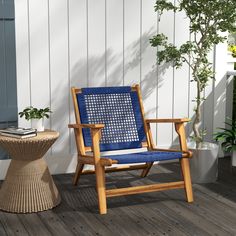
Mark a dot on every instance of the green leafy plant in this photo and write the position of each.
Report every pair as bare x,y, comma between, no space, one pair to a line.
35,113
207,20
227,136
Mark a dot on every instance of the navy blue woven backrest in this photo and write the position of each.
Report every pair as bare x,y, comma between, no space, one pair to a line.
118,109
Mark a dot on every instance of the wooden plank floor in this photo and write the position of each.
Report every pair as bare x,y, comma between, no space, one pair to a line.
159,213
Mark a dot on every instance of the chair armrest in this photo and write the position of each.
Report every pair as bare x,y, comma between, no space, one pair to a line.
95,137
179,127
90,126
176,120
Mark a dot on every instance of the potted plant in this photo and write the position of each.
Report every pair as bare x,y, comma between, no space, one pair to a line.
228,138
36,116
208,19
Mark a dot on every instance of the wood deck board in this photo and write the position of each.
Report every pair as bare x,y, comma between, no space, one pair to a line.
12,224
54,224
33,224
156,213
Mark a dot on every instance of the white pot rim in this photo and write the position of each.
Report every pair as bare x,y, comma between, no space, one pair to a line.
204,146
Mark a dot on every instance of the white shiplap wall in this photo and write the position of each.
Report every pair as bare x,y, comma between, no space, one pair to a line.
64,43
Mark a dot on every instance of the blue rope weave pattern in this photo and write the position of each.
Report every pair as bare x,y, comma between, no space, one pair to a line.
145,157
119,110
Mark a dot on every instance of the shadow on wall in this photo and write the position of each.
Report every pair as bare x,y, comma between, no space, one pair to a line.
214,115
151,81
80,74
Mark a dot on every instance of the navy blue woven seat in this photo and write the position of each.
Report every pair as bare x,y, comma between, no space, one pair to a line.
141,157
112,118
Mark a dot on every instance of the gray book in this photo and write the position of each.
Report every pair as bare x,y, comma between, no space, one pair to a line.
18,131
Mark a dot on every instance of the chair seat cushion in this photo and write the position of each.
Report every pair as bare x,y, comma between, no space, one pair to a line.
149,156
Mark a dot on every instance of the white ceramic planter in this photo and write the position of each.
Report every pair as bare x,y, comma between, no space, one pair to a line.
233,158
204,163
37,124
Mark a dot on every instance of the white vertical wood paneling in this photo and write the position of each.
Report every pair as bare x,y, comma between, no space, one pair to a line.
77,53
148,62
22,57
208,106
132,20
220,85
181,76
59,68
96,42
78,42
39,55
114,42
165,84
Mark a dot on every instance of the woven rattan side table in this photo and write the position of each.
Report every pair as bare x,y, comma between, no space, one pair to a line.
28,186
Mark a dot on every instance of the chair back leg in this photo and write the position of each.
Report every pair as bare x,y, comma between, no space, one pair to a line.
147,169
184,162
78,171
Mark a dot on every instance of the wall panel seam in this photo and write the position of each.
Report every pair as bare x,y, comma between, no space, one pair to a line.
4,56
105,43
49,68
69,75
123,52
140,44
30,86
87,49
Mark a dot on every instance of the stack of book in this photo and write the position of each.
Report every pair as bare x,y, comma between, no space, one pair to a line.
17,132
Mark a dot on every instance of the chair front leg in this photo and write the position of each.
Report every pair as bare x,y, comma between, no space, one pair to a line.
99,171
101,188
184,162
81,151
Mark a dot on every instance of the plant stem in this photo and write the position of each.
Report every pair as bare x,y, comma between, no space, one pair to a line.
197,118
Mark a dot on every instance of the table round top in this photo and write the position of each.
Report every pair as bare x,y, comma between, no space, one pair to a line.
41,136
29,148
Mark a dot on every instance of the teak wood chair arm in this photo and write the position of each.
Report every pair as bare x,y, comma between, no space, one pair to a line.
179,128
90,126
176,120
95,129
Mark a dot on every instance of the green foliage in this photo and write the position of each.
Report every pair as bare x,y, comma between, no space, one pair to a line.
164,5
228,136
208,19
35,113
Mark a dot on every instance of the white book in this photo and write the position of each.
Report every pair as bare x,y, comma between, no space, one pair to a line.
19,136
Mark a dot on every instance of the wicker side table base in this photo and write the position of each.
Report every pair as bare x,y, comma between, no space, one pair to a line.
28,187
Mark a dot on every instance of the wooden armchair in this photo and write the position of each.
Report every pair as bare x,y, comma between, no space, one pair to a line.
112,118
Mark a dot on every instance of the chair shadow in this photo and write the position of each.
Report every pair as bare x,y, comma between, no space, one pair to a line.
83,197
224,186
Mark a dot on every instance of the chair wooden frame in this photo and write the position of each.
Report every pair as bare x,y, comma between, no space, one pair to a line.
101,163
